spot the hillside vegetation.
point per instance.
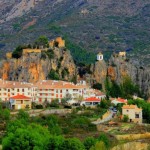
(93, 25)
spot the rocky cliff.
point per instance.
(32, 67)
(120, 67)
(117, 68)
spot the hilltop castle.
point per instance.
(58, 42)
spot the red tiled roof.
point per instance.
(122, 100)
(93, 99)
(20, 97)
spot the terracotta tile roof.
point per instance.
(50, 84)
(18, 97)
(131, 107)
(122, 100)
(14, 84)
(92, 99)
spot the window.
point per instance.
(137, 116)
(95, 103)
(40, 100)
(8, 90)
(17, 90)
(22, 90)
(88, 103)
(127, 110)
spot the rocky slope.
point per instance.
(33, 67)
(124, 67)
(118, 68)
(108, 25)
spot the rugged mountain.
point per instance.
(57, 63)
(118, 68)
(95, 25)
(32, 67)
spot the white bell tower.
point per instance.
(100, 56)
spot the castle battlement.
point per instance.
(25, 51)
(58, 41)
(9, 55)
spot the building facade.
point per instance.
(133, 112)
(49, 90)
(20, 102)
(11, 88)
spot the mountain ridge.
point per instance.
(93, 25)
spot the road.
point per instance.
(104, 120)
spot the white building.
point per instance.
(11, 88)
(51, 89)
(100, 56)
(47, 90)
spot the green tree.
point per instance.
(56, 143)
(73, 144)
(12, 126)
(32, 137)
(104, 104)
(89, 142)
(103, 137)
(17, 53)
(99, 146)
(97, 86)
(125, 118)
(42, 41)
(129, 88)
(22, 115)
(53, 75)
(6, 114)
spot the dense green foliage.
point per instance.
(46, 132)
(17, 53)
(79, 54)
(99, 146)
(4, 114)
(28, 137)
(89, 142)
(104, 139)
(53, 75)
(97, 86)
(42, 41)
(126, 89)
(125, 118)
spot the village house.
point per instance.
(133, 112)
(20, 102)
(90, 102)
(118, 100)
(99, 94)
